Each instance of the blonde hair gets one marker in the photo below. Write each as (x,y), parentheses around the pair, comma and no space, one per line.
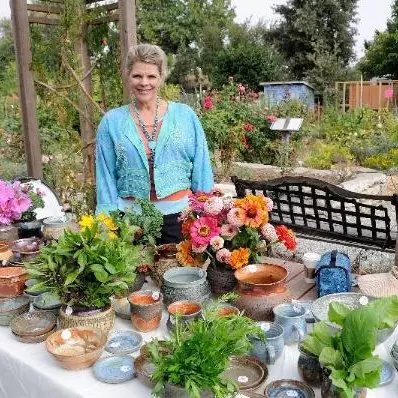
(148,53)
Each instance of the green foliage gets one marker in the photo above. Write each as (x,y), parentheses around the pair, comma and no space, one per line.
(322,155)
(308,27)
(86,268)
(349,353)
(197,354)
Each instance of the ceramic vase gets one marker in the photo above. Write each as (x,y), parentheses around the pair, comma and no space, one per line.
(261,287)
(309,367)
(146,310)
(222,280)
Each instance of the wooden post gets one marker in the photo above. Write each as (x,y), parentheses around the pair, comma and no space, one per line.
(128,37)
(344,89)
(86,128)
(22,45)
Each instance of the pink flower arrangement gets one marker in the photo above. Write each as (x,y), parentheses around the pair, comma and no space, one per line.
(208,102)
(228,232)
(13,202)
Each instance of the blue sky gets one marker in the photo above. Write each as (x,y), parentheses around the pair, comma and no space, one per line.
(372,15)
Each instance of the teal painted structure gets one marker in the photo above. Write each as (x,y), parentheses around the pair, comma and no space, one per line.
(275,92)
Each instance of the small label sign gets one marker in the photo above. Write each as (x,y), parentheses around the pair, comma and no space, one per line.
(363,300)
(243,379)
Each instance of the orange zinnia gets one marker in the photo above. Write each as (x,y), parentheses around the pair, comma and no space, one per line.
(184,254)
(256,213)
(186,226)
(239,258)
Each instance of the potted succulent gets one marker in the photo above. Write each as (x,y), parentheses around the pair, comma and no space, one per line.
(349,366)
(191,363)
(229,234)
(85,268)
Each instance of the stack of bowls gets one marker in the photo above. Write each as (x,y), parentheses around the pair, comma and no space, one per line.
(12,307)
(33,327)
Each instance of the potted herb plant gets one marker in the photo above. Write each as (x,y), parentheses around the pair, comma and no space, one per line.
(191,363)
(229,234)
(346,357)
(85,268)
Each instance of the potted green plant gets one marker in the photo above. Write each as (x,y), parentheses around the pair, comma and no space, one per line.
(346,357)
(191,363)
(85,268)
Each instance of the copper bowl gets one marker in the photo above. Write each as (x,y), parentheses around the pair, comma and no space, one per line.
(76,348)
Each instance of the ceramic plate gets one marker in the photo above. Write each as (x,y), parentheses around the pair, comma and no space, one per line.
(387,374)
(123,342)
(117,369)
(33,323)
(248,372)
(288,389)
(47,301)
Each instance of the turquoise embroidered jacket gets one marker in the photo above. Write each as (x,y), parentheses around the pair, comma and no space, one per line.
(181,157)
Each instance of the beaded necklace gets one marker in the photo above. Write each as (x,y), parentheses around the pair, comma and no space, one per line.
(150,137)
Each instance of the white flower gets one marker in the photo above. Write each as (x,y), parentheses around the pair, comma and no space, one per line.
(213,206)
(155,295)
(269,204)
(217,242)
(269,233)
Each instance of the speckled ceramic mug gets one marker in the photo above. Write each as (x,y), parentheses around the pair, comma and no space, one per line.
(292,318)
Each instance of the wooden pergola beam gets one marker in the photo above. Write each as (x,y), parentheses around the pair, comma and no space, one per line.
(44,8)
(105,7)
(22,45)
(108,18)
(43,20)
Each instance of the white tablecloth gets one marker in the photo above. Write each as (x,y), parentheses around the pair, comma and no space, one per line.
(29,371)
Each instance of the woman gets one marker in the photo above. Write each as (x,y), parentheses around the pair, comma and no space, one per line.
(151,148)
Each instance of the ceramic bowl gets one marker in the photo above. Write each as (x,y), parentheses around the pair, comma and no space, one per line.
(123,342)
(47,301)
(76,348)
(288,388)
(387,374)
(320,308)
(12,307)
(114,370)
(31,324)
(121,307)
(34,339)
(187,309)
(226,309)
(27,248)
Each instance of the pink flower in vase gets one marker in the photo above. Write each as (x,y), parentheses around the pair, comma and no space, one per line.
(269,204)
(203,229)
(269,233)
(228,231)
(197,201)
(199,249)
(213,206)
(236,216)
(223,256)
(217,242)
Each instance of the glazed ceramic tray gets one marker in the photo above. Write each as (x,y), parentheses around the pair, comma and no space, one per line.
(114,370)
(33,323)
(287,389)
(248,372)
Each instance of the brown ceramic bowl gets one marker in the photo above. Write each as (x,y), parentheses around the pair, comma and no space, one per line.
(227,310)
(12,281)
(34,339)
(76,348)
(261,275)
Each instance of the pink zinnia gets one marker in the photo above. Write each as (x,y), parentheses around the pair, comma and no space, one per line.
(213,206)
(236,216)
(223,256)
(269,204)
(217,242)
(269,233)
(197,201)
(203,229)
(228,231)
(199,249)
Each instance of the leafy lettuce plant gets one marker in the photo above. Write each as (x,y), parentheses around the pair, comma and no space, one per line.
(348,354)
(197,354)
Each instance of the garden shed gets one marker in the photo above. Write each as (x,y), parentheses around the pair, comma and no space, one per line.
(275,92)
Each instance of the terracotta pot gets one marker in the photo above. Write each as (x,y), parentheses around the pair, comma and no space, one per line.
(227,309)
(261,287)
(222,280)
(146,310)
(12,281)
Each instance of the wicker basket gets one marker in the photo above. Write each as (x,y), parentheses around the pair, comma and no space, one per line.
(103,320)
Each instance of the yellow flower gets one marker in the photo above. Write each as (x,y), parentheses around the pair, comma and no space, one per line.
(112,235)
(107,220)
(86,221)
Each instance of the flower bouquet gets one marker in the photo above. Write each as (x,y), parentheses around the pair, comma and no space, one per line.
(14,201)
(227,233)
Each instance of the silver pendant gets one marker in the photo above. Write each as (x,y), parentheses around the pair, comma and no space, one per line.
(152,145)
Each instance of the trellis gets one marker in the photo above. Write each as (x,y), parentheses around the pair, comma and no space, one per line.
(48,13)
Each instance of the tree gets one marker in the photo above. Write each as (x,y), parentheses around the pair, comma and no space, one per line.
(308,25)
(381,54)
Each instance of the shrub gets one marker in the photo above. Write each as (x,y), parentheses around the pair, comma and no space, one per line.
(323,155)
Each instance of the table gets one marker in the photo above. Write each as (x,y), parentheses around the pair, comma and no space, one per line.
(29,371)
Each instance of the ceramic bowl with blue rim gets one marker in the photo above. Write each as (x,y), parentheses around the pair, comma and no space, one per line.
(123,342)
(287,388)
(114,370)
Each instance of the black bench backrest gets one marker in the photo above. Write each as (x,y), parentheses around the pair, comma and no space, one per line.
(315,207)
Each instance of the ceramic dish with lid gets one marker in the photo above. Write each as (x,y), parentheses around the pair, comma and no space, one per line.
(12,307)
(123,342)
(31,324)
(287,388)
(115,369)
(248,372)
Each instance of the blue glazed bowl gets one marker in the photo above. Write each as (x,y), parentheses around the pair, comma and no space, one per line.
(123,342)
(286,388)
(114,370)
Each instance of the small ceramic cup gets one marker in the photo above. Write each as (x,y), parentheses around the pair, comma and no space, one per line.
(292,318)
(187,309)
(146,309)
(270,350)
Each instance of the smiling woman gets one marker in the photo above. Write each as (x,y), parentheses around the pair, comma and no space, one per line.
(151,148)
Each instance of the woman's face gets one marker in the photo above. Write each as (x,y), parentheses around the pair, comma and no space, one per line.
(144,82)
